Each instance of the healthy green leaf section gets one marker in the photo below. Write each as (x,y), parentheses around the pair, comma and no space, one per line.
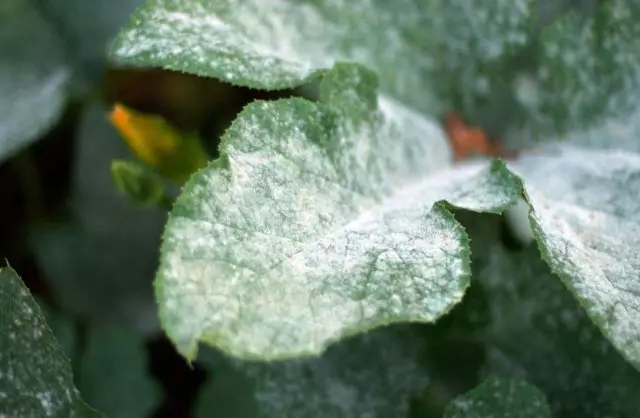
(34,76)
(374,375)
(587,223)
(320,221)
(500,398)
(113,375)
(35,376)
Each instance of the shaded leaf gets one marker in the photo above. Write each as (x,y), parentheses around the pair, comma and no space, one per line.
(500,398)
(35,376)
(34,75)
(113,374)
(370,375)
(535,330)
(100,262)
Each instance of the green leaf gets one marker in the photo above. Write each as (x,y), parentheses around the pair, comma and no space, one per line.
(319,221)
(34,76)
(372,375)
(501,398)
(417,48)
(536,330)
(137,183)
(35,375)
(587,223)
(113,374)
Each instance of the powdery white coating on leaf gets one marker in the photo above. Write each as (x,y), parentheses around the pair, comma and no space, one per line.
(33,78)
(35,376)
(500,398)
(319,222)
(587,221)
(417,48)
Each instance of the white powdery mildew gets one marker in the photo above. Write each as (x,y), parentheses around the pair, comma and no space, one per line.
(295,243)
(589,223)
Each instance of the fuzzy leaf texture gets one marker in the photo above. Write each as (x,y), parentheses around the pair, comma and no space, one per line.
(35,376)
(319,221)
(428,55)
(521,68)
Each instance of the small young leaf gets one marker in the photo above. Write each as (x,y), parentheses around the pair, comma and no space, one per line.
(500,398)
(137,183)
(35,375)
(171,153)
(319,221)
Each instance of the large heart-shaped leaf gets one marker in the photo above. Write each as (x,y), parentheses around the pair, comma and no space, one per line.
(480,57)
(320,220)
(35,375)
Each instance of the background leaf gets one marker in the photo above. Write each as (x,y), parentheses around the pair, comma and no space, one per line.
(371,375)
(34,76)
(88,27)
(500,397)
(100,261)
(35,375)
(113,374)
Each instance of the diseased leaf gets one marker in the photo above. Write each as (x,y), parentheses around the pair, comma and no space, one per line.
(319,221)
(587,223)
(374,375)
(113,374)
(418,48)
(535,330)
(33,77)
(500,398)
(35,375)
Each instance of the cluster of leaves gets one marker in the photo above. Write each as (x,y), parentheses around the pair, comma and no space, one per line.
(335,256)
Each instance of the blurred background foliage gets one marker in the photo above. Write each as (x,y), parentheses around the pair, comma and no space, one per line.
(90,255)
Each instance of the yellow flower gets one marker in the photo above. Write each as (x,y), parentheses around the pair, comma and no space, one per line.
(171,153)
